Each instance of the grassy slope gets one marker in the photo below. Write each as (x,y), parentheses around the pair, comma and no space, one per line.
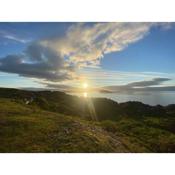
(150,134)
(27,129)
(47,124)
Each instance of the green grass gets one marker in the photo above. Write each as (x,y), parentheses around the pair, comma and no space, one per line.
(146,135)
(56,122)
(23,129)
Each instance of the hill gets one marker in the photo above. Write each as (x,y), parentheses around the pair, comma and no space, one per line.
(46,121)
(27,129)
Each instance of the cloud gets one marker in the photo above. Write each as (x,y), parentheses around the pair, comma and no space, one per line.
(166,25)
(83,45)
(38,62)
(153,82)
(141,86)
(13,37)
(60,87)
(148,85)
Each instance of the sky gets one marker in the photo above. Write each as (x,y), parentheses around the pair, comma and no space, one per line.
(107,56)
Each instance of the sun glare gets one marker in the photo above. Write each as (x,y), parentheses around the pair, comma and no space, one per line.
(85,94)
(85,85)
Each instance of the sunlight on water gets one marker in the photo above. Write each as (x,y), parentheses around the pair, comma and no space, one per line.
(85,94)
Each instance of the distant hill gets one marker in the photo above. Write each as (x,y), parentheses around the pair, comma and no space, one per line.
(102,108)
(52,121)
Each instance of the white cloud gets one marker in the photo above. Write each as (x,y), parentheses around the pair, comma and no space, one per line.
(13,37)
(85,45)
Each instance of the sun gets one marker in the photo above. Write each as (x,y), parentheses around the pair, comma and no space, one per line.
(85,85)
(85,89)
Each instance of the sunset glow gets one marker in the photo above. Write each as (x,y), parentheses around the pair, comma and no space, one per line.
(88,87)
(109,60)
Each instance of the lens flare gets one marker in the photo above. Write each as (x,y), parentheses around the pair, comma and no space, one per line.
(85,94)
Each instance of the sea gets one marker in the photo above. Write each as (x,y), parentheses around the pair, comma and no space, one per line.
(152,98)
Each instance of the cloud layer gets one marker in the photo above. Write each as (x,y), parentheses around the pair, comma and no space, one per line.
(147,85)
(153,82)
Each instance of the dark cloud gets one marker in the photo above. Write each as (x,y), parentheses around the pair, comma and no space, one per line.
(153,82)
(141,86)
(60,87)
(38,62)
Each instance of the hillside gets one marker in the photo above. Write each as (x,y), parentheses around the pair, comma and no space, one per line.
(24,129)
(105,109)
(47,121)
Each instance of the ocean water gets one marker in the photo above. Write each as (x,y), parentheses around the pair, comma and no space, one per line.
(151,98)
